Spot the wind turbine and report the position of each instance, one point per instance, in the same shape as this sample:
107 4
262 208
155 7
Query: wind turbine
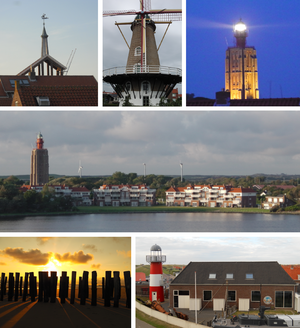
181 169
80 169
144 170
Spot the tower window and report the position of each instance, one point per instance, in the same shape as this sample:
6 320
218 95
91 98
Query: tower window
137 51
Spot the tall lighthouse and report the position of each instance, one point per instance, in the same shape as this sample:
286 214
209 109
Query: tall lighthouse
156 289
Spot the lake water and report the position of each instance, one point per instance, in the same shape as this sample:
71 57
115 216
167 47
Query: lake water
154 222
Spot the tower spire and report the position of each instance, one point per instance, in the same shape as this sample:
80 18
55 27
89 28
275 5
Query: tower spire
45 48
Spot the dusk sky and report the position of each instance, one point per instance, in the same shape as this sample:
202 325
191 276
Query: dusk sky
182 249
273 27
115 50
206 142
34 254
71 24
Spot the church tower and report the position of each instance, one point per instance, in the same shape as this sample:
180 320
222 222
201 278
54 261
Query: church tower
39 172
241 77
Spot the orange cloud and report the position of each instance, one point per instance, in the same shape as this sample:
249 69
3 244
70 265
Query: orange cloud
124 253
33 256
95 266
2 263
42 240
92 247
78 258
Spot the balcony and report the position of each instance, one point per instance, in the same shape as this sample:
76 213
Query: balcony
148 69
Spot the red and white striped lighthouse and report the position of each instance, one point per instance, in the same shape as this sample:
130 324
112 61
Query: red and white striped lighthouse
156 289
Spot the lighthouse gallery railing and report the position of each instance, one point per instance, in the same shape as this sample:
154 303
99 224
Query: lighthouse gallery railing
156 258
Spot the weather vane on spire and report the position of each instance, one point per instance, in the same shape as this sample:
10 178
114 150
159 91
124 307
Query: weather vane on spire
43 18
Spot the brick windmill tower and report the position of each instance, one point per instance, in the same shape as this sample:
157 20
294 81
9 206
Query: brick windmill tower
39 172
143 81
156 259
241 76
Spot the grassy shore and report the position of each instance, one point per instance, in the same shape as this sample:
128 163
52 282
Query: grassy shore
148 209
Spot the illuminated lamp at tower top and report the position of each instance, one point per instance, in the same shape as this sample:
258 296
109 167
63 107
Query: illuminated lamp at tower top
240 33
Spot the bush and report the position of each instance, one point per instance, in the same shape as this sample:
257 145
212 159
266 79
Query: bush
275 208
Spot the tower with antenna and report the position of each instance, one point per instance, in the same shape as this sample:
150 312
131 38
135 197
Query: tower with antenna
46 64
143 80
241 76
39 171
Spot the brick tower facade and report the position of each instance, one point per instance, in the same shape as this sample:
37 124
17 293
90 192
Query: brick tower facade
241 76
39 172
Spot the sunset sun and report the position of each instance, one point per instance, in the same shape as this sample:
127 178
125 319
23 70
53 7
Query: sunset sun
53 265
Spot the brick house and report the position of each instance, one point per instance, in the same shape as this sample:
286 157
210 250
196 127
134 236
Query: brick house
211 196
280 200
246 284
124 195
293 270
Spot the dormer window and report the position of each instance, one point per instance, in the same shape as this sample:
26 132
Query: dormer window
212 276
43 101
229 275
249 275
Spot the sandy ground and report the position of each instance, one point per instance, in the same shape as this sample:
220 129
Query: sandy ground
39 314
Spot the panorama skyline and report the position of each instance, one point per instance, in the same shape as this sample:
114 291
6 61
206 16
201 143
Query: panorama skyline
206 142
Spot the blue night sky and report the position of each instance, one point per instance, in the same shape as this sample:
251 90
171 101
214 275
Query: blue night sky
274 31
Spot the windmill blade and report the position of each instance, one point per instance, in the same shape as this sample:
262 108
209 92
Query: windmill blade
166 15
119 12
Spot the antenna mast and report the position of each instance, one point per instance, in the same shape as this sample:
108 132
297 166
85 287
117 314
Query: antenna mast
70 60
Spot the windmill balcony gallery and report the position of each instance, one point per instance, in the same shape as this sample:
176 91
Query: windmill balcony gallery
154 69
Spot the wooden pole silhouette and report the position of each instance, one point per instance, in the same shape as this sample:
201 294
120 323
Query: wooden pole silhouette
53 286
41 286
128 288
32 283
25 290
117 288
10 286
17 286
21 285
107 288
2 286
73 285
94 288
84 289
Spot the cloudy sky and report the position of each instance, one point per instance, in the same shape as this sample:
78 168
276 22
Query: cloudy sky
73 25
273 31
34 254
207 142
115 50
182 249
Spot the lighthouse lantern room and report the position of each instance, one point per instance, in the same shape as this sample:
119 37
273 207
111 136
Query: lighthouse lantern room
156 289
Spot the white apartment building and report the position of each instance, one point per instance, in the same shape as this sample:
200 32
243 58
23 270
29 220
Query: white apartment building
211 196
124 195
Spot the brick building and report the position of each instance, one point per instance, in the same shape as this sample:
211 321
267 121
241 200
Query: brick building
124 195
211 196
246 285
39 169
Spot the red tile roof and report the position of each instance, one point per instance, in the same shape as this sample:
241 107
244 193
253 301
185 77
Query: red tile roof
61 90
59 95
292 270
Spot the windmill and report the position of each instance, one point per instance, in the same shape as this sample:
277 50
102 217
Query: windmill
136 79
80 169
